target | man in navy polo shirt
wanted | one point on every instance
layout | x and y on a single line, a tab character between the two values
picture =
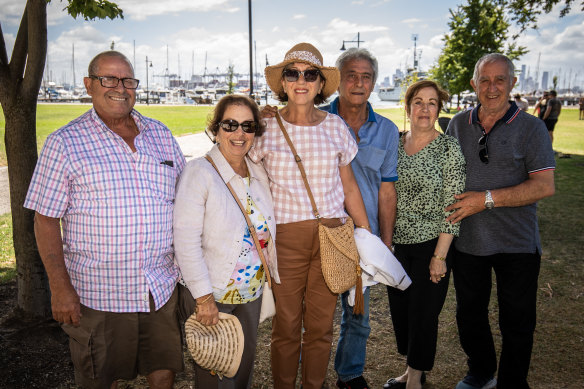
509	167
375	171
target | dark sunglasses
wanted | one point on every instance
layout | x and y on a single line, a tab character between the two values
232	125
292	75
483	149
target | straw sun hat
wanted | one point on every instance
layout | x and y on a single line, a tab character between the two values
217	348
305	53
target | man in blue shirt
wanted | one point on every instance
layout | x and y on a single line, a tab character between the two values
375	170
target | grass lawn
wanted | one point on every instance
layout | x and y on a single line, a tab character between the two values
182	120
558	354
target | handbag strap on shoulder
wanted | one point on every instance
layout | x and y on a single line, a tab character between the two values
300	166
250	226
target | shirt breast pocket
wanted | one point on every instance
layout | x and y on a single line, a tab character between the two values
160	179
371	158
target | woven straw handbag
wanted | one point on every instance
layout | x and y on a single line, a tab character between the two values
217	348
338	251
339	256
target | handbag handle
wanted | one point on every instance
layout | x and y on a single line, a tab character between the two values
300	166
250	226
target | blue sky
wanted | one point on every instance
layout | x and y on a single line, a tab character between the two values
219	28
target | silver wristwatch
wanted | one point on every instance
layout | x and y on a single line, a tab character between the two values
489	203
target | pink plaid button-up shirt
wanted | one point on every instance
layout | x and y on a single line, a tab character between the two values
115	208
323	149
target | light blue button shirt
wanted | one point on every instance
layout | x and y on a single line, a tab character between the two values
376	160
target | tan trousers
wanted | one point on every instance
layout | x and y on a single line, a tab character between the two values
302	301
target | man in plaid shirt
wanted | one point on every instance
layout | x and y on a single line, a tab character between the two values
108	180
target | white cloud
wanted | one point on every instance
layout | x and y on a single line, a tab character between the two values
298	16
12	11
412	21
141	9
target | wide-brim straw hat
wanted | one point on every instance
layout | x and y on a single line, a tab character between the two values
305	53
217	348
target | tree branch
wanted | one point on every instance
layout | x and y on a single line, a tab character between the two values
37	48
3	53
3	68
18	59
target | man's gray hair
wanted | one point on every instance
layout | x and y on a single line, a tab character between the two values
92	68
491	58
355	53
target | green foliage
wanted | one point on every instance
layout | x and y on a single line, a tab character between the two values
525	13
477	28
92	9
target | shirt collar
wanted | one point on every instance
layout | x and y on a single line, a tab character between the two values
136	116
370	115
509	116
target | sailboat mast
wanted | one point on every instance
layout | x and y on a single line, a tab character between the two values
73	63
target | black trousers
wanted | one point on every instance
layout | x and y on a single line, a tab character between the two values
415	311
516	278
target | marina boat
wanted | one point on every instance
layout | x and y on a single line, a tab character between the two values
390	93
200	95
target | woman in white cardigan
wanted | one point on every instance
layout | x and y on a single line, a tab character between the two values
218	259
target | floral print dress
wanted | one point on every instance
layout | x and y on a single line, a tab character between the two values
247	279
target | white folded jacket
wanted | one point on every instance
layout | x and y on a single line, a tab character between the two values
378	264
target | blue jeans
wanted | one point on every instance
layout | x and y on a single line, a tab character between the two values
352	345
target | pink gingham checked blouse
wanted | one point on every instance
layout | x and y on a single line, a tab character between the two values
115	208
323	149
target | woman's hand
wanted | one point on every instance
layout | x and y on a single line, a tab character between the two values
268	111
207	312
437	269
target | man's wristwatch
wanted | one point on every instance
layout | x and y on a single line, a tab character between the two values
489	203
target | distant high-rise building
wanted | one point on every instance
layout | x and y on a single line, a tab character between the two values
522	78
545	80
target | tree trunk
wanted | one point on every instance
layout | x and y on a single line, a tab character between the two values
19	85
21	152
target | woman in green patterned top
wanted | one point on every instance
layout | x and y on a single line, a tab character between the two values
431	170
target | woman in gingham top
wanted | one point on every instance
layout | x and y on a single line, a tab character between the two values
326	147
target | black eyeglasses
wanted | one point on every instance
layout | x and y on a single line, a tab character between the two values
113	82
483	149
232	125
292	75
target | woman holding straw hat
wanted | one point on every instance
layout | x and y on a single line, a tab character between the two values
326	148
222	261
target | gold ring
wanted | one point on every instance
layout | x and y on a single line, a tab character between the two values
442	276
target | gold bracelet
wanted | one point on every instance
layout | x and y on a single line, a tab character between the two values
439	257
205	300
365	227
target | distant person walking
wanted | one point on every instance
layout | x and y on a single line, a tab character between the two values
541	105
551	114
522	103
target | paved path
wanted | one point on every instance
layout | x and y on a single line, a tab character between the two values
193	146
